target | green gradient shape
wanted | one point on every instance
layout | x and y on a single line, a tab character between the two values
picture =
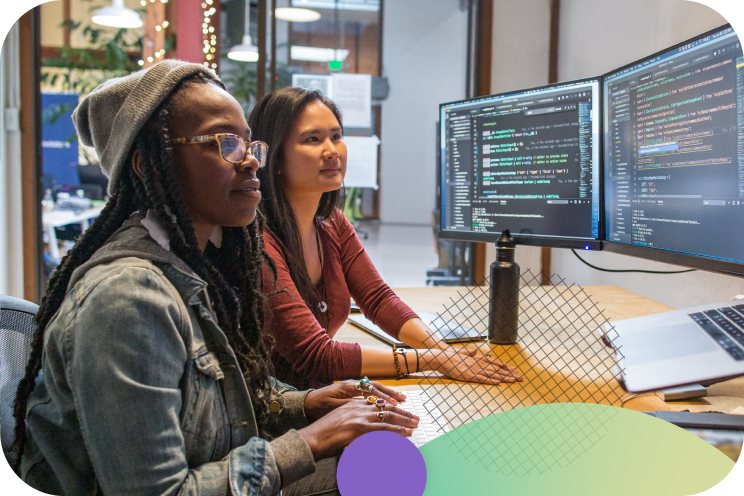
635	454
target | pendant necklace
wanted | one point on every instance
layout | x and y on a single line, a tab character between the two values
322	305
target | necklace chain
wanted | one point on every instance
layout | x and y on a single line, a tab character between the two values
322	305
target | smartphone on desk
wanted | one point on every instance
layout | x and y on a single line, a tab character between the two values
451	330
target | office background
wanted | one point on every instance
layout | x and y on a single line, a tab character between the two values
423	56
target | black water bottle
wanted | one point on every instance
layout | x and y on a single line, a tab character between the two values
503	314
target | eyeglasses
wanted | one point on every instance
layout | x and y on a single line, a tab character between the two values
233	148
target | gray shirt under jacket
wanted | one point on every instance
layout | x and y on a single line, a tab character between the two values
141	393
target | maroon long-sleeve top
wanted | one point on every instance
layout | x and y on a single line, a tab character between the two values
304	352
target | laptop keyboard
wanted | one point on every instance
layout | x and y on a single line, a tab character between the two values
726	326
418	402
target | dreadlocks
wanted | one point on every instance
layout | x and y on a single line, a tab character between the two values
239	308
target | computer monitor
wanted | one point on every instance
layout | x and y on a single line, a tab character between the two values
674	155
527	161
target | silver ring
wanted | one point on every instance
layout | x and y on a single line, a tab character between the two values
381	415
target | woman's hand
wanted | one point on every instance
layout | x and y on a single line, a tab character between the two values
321	401
329	435
469	365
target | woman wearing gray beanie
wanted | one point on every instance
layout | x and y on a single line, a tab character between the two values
148	373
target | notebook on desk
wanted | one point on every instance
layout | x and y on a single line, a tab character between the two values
693	345
450	331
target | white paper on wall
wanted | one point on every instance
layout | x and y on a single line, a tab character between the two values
313	82
361	162
353	95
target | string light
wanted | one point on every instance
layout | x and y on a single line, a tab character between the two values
209	39
158	28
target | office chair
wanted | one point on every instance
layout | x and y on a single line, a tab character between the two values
16	329
92	175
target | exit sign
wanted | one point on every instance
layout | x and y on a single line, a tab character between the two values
335	65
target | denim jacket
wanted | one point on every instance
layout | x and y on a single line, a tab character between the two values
141	393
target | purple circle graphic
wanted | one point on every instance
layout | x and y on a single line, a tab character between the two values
381	463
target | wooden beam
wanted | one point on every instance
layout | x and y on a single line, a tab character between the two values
30	153
261	64
546	268
380	23
377	109
273	45
66	14
153	41
555	17
484	40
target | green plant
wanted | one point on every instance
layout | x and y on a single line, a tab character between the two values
108	53
352	208
241	80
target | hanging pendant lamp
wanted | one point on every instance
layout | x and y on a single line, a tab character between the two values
246	51
117	15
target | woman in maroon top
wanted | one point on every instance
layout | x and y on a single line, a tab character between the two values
319	261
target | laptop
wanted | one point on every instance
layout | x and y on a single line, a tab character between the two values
450	331
702	344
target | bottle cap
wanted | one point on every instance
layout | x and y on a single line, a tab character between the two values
505	240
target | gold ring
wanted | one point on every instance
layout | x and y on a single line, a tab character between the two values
381	415
371	400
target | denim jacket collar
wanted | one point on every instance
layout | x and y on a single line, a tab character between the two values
134	240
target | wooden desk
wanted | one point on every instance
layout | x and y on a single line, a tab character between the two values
546	354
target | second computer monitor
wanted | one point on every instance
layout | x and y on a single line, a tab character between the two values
526	161
674	154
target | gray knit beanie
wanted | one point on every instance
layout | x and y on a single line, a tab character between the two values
110	117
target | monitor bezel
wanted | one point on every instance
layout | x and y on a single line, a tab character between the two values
537	239
665	255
